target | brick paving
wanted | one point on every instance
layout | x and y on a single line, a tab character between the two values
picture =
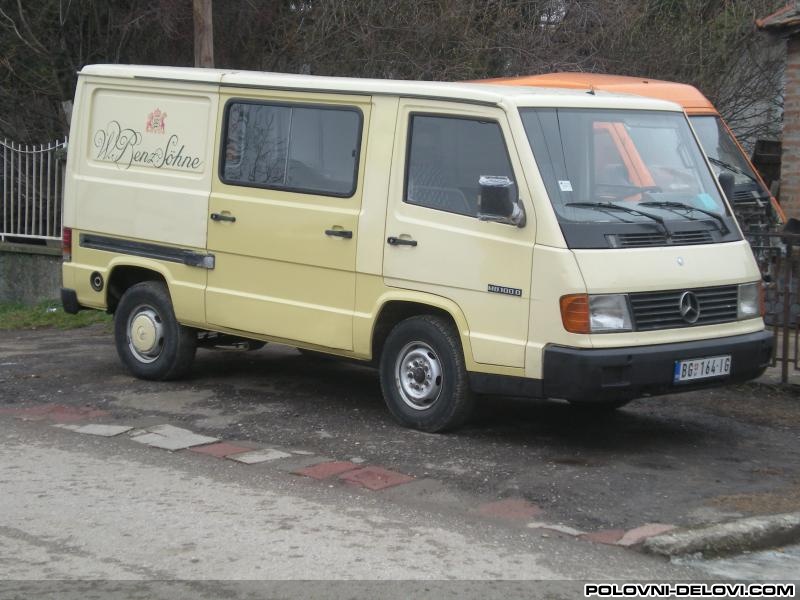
606	536
640	534
253	457
326	469
55	412
220	449
169	437
510	508
375	478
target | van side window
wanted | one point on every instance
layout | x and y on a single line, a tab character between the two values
446	158
294	148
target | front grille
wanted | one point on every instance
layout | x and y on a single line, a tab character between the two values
661	310
685	238
639	240
680	238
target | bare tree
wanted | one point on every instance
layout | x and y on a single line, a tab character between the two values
43	43
203	34
711	44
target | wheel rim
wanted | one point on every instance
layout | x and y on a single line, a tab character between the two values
145	334
418	375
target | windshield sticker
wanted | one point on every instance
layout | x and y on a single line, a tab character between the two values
566	186
706	201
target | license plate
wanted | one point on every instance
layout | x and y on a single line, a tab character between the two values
702	368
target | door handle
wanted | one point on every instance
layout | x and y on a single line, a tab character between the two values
396	241
342	233
223	217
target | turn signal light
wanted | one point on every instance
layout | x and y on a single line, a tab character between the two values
575	313
762	305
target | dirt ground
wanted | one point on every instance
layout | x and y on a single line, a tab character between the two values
686	459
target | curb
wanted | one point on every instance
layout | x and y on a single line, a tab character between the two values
742	535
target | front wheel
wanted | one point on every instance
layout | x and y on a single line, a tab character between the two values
423	375
150	341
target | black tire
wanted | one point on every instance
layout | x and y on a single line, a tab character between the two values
165	348
443	401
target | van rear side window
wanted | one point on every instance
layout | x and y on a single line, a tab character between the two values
307	149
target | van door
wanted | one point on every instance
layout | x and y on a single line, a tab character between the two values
435	242
283	215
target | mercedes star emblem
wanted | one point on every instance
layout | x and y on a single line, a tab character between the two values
689	307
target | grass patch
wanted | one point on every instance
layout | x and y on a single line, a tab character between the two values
47	314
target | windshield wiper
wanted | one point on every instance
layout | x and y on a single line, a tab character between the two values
723	227
603	208
732	168
633	211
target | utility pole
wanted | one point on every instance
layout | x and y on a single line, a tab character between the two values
203	34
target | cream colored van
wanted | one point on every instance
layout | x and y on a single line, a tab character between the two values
465	239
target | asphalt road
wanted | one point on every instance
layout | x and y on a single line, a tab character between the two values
108	508
97	508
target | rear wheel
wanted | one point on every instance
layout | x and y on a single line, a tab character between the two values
150	341
423	375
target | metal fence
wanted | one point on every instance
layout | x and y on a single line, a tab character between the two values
778	257
32	190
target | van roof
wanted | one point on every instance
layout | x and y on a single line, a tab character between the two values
689	97
464	92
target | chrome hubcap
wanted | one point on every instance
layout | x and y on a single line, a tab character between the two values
145	334
418	374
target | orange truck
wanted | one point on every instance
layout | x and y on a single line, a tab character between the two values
755	207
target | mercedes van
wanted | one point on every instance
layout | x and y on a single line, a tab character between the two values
465	239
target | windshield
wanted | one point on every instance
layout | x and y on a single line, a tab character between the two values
723	152
644	161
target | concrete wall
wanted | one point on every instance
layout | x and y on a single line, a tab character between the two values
29	274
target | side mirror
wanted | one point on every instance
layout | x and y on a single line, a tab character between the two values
726	182
496	204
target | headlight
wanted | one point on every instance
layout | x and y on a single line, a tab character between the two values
750	300
609	312
603	313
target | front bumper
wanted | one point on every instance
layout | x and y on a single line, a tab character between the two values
616	373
